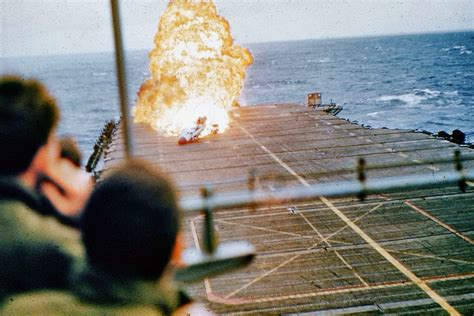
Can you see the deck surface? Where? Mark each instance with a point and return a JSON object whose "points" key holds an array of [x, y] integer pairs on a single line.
{"points": [[403, 252]]}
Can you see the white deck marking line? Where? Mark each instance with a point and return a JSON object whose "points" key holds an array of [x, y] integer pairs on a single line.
{"points": [[265, 149], [355, 221], [335, 251], [383, 308], [437, 221], [408, 273], [207, 284], [421, 284], [262, 276], [336, 290], [283, 210], [264, 229], [303, 181], [335, 241], [431, 256], [278, 231]]}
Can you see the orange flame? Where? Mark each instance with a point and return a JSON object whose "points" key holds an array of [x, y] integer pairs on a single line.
{"points": [[196, 69]]}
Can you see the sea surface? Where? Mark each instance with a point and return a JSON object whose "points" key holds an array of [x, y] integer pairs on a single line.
{"points": [[422, 82]]}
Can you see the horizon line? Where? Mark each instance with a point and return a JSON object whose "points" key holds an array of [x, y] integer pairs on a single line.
{"points": [[342, 37]]}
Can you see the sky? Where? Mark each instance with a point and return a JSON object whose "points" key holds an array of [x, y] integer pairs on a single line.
{"points": [[42, 27]]}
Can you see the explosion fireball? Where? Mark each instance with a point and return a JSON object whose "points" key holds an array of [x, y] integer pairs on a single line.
{"points": [[196, 70]]}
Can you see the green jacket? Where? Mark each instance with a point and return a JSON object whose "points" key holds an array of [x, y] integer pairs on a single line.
{"points": [[36, 251], [98, 293]]}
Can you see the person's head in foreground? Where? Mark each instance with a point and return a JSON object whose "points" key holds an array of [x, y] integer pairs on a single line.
{"points": [[130, 229], [28, 120], [131, 222], [31, 152], [36, 252]]}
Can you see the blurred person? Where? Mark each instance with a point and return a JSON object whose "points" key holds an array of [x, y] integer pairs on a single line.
{"points": [[131, 233], [71, 186], [36, 251]]}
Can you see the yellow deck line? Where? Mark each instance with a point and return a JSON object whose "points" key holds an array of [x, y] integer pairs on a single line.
{"points": [[356, 220], [409, 274], [439, 222], [207, 284], [421, 255], [212, 297], [336, 252]]}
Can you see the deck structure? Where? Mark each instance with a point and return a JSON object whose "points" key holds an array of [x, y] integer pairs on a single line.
{"points": [[402, 252]]}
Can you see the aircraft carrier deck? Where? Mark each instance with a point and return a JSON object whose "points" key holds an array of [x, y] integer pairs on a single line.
{"points": [[403, 252]]}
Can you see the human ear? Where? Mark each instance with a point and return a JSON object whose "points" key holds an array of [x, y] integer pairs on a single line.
{"points": [[176, 254]]}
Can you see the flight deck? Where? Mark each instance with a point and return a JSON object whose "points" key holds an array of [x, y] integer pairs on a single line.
{"points": [[407, 251]]}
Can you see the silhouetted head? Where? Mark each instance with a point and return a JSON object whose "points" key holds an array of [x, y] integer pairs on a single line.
{"points": [[28, 115], [131, 221]]}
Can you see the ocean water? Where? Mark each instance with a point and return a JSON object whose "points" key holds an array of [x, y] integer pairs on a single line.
{"points": [[422, 82]]}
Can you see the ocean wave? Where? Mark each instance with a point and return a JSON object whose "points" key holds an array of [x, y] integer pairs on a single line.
{"points": [[254, 86], [287, 82], [100, 74], [414, 98], [373, 114], [461, 48], [319, 60], [451, 93]]}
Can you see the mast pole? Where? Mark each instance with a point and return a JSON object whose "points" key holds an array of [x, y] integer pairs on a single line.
{"points": [[121, 77]]}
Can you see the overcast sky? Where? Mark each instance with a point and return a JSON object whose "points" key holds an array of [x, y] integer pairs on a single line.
{"points": [[33, 27]]}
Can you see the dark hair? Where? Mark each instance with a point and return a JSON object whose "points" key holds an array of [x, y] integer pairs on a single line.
{"points": [[130, 222], [70, 151], [28, 114]]}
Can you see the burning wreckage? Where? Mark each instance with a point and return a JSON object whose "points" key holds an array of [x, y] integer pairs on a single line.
{"points": [[197, 72], [192, 134]]}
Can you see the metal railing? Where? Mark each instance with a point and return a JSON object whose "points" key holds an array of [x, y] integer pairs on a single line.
{"points": [[121, 78], [359, 187], [344, 172]]}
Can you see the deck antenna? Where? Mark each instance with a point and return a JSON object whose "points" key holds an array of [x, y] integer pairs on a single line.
{"points": [[121, 77]]}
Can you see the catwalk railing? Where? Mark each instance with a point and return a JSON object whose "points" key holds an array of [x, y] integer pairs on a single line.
{"points": [[360, 187]]}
